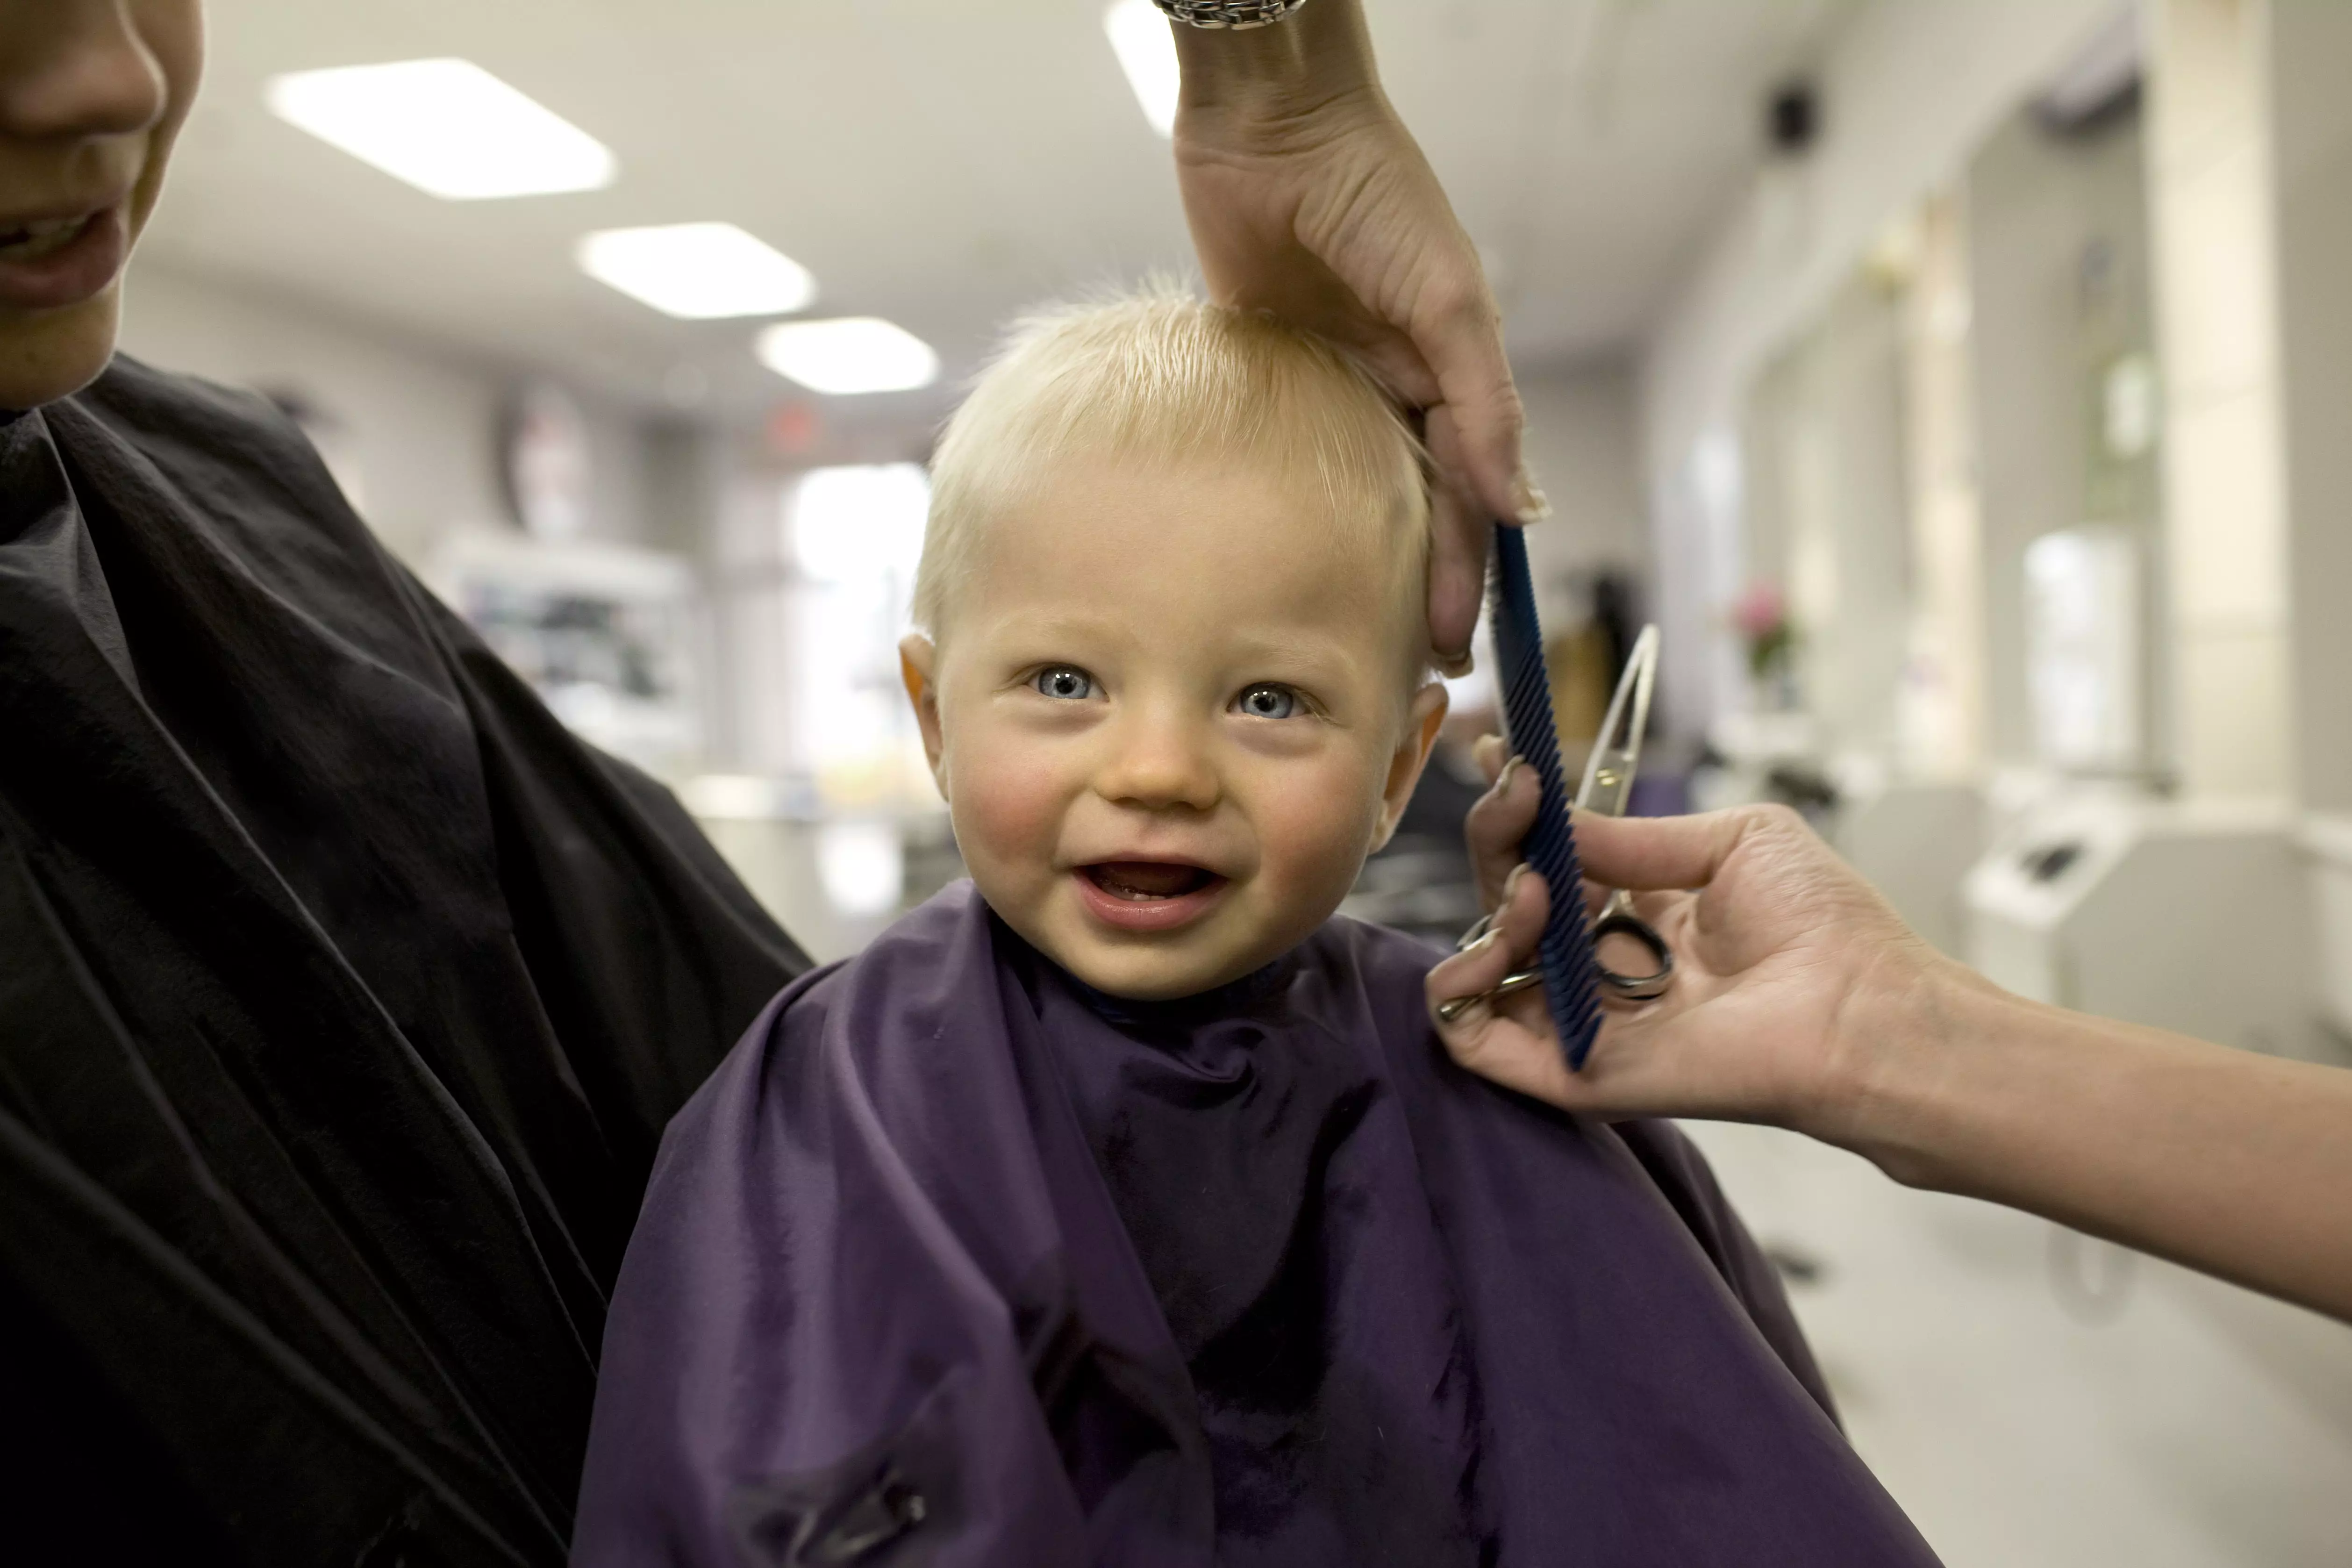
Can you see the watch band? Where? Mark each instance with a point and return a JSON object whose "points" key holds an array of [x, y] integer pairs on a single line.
{"points": [[1234, 14]]}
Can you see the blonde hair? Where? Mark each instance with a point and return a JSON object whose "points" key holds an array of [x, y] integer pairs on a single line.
{"points": [[1161, 374]]}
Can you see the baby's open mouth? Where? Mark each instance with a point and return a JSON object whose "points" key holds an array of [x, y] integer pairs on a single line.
{"points": [[1142, 881]]}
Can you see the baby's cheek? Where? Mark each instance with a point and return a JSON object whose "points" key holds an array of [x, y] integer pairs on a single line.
{"points": [[1007, 815], [1313, 829]]}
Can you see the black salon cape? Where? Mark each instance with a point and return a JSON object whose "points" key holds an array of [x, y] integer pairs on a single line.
{"points": [[343, 998], [955, 1264]]}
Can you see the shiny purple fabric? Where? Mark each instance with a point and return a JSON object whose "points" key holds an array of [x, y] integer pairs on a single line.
{"points": [[916, 1283]]}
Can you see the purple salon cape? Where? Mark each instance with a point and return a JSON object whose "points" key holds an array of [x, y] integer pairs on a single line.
{"points": [[956, 1262]]}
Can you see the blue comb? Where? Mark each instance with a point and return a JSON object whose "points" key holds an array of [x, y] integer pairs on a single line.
{"points": [[1566, 950]]}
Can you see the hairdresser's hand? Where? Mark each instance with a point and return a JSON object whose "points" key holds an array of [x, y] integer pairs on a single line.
{"points": [[1801, 1000], [1307, 196], [1795, 986]]}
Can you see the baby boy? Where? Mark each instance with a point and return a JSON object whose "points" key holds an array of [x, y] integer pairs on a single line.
{"points": [[1172, 680], [1120, 1206]]}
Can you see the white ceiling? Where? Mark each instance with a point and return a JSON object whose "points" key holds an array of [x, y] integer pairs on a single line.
{"points": [[942, 163]]}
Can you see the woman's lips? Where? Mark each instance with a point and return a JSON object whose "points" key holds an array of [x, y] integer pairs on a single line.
{"points": [[46, 265], [1148, 895]]}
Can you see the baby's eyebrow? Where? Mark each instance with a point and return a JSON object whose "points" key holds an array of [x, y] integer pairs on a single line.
{"points": [[1305, 654], [1289, 646], [1309, 648], [1065, 623]]}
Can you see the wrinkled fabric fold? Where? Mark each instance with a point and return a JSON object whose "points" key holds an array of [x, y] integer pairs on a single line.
{"points": [[954, 1263], [346, 996]]}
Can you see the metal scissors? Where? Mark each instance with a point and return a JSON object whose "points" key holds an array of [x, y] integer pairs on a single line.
{"points": [[1608, 785]]}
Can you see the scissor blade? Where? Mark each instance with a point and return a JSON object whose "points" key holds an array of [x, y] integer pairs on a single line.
{"points": [[1617, 750], [1608, 780]]}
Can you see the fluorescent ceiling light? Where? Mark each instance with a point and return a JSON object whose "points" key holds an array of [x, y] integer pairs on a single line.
{"points": [[854, 353], [698, 270], [447, 127], [1139, 36]]}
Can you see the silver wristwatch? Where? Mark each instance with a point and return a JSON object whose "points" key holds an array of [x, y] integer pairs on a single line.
{"points": [[1235, 14]]}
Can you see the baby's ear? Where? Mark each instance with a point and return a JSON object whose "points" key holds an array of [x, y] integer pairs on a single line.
{"points": [[918, 663], [1422, 722]]}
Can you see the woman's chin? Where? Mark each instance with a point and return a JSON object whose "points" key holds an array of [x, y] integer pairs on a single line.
{"points": [[55, 354]]}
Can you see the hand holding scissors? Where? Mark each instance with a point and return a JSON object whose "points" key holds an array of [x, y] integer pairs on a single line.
{"points": [[1608, 784]]}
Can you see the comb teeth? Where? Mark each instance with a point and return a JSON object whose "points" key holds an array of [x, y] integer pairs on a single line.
{"points": [[1566, 949]]}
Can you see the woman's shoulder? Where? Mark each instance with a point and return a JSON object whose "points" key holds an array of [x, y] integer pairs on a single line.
{"points": [[202, 419], [148, 437]]}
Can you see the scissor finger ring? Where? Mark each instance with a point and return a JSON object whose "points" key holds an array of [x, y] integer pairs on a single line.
{"points": [[1614, 922], [1453, 1007], [1617, 919]]}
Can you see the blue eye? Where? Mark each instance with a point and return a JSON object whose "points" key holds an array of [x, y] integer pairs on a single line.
{"points": [[1268, 700], [1062, 681]]}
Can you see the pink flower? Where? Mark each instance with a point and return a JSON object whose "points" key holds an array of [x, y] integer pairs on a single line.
{"points": [[1760, 612]]}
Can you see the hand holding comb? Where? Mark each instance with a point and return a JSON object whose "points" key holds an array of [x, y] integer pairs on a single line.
{"points": [[1569, 966]]}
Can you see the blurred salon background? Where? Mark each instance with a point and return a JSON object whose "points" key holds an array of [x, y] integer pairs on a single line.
{"points": [[1964, 386]]}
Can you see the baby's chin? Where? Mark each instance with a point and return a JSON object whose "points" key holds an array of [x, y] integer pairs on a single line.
{"points": [[1144, 976]]}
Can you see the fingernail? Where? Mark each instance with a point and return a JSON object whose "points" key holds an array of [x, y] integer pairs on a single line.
{"points": [[1510, 772], [1527, 498], [1453, 666], [1511, 885], [1484, 942]]}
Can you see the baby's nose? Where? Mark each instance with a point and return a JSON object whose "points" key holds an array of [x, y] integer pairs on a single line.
{"points": [[1158, 763]]}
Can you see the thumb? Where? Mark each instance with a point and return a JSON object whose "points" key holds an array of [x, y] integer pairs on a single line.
{"points": [[1644, 853]]}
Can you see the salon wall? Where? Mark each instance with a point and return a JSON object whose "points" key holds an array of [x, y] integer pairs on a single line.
{"points": [[2048, 216], [1823, 446], [1584, 441], [2215, 214], [2311, 140], [413, 427], [1905, 93]]}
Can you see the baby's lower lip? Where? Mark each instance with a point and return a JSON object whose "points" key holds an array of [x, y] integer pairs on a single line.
{"points": [[1123, 911]]}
